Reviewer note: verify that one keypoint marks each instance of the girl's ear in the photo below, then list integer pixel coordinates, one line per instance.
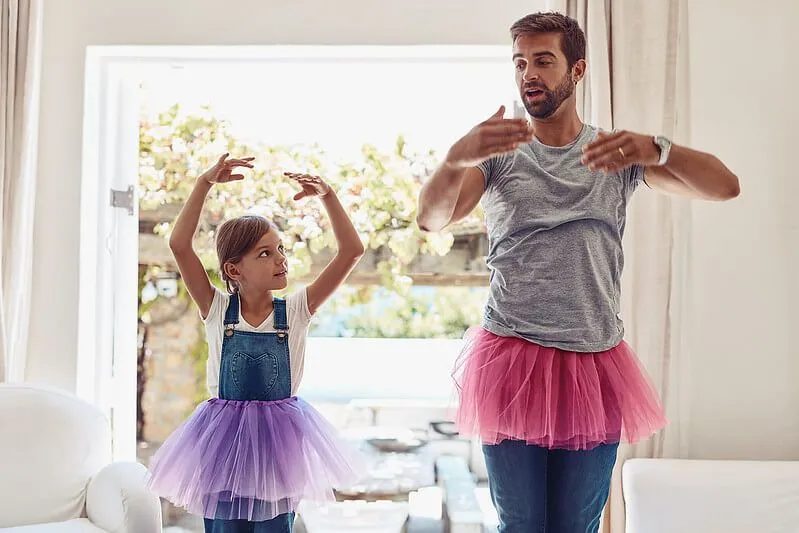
(231, 271)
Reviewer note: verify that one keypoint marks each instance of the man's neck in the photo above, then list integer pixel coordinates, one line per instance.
(558, 130)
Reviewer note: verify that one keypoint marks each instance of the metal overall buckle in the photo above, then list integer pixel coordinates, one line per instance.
(282, 334)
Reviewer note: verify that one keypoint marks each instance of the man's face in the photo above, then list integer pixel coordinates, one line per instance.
(543, 76)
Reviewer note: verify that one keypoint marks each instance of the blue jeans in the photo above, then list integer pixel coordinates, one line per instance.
(280, 524)
(538, 490)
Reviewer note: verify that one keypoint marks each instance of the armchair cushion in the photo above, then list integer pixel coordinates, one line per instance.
(53, 444)
(118, 502)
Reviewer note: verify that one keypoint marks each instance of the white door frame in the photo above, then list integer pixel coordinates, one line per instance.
(107, 332)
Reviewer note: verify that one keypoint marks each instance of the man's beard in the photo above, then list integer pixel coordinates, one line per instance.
(552, 99)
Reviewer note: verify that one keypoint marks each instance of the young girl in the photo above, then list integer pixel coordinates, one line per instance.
(246, 456)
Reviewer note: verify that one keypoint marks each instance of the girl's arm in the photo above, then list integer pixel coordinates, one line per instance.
(350, 247)
(191, 268)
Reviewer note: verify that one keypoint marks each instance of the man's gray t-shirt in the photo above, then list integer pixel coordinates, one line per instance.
(555, 246)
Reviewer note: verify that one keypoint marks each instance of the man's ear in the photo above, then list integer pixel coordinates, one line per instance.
(578, 71)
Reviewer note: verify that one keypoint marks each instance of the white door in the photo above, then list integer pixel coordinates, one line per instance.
(107, 327)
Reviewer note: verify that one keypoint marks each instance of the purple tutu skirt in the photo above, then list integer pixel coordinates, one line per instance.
(252, 460)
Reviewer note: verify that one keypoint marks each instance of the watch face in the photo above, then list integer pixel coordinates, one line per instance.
(665, 146)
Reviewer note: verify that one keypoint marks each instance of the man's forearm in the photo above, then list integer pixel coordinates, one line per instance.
(438, 198)
(702, 172)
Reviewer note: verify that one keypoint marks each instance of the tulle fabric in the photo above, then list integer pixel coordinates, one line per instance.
(252, 460)
(510, 388)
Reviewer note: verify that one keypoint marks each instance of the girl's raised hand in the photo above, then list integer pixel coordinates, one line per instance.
(311, 185)
(222, 171)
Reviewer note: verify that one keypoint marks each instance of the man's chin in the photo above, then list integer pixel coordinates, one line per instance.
(541, 114)
(541, 111)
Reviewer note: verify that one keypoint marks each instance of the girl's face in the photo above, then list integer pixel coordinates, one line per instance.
(263, 268)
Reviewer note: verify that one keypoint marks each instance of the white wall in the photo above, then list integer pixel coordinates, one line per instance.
(746, 367)
(746, 355)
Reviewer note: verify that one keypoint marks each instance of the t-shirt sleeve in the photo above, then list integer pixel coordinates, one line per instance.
(213, 330)
(492, 168)
(297, 304)
(216, 314)
(633, 177)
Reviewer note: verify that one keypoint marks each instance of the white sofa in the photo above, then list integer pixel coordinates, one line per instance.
(55, 470)
(693, 496)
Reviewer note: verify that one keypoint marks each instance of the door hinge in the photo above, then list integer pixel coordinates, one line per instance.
(123, 199)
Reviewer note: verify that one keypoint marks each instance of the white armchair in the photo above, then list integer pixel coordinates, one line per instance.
(55, 469)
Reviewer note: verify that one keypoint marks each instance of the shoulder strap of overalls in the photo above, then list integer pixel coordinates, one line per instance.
(232, 312)
(281, 319)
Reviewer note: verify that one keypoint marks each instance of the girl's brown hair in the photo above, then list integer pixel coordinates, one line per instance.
(235, 238)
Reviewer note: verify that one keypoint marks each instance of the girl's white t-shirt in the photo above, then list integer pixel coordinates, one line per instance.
(299, 317)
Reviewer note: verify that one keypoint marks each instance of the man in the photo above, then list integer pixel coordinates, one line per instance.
(547, 382)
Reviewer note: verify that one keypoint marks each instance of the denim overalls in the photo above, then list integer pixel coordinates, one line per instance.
(254, 366)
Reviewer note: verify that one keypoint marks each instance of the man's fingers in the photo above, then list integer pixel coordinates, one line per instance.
(613, 169)
(502, 136)
(519, 123)
(499, 113)
(596, 150)
(608, 161)
(506, 127)
(604, 140)
(504, 148)
(612, 155)
(500, 147)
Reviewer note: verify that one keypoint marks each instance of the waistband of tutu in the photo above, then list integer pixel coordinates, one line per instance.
(245, 403)
(480, 335)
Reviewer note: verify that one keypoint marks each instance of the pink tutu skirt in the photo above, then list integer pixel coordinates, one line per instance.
(510, 388)
(252, 460)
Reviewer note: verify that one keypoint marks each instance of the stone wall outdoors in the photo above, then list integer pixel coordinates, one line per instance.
(176, 374)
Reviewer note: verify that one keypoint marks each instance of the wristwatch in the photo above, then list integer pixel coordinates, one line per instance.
(664, 145)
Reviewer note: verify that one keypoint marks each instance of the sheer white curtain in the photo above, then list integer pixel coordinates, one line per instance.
(637, 80)
(594, 101)
(20, 63)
